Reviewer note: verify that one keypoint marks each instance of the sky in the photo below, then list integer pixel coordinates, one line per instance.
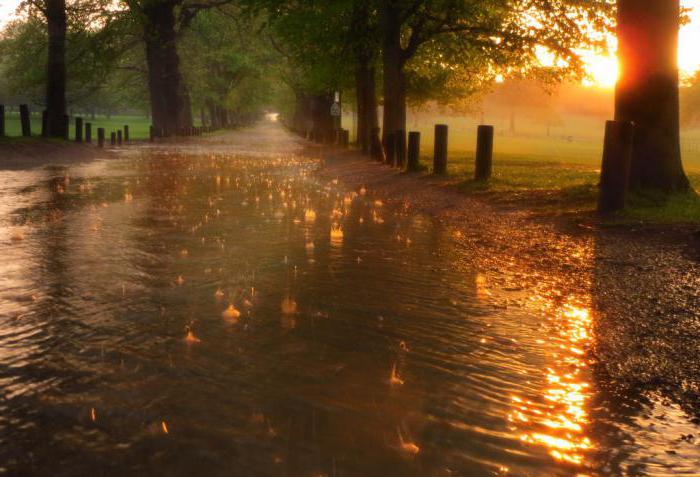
(603, 69)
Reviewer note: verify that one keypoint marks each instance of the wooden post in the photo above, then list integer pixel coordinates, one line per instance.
(2, 120)
(113, 139)
(375, 148)
(440, 150)
(126, 133)
(484, 153)
(151, 133)
(390, 149)
(400, 141)
(66, 127)
(346, 138)
(78, 129)
(24, 120)
(413, 151)
(88, 133)
(615, 171)
(101, 137)
(119, 137)
(44, 123)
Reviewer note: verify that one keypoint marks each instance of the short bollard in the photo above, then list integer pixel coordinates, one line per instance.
(78, 129)
(101, 137)
(2, 120)
(126, 133)
(151, 133)
(375, 145)
(413, 151)
(400, 147)
(440, 150)
(24, 120)
(390, 149)
(88, 133)
(615, 170)
(113, 139)
(119, 137)
(484, 153)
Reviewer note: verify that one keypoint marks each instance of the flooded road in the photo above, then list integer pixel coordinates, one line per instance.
(220, 308)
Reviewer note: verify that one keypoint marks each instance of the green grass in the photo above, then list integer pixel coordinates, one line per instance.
(651, 208)
(559, 187)
(138, 125)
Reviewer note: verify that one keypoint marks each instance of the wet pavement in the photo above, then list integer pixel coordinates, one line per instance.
(223, 307)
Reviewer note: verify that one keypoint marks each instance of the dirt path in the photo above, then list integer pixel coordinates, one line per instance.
(641, 285)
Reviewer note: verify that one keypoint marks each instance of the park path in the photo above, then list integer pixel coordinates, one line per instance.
(252, 302)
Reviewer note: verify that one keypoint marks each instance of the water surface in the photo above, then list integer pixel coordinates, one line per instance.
(221, 309)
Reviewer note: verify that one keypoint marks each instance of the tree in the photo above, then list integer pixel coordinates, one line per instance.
(363, 37)
(54, 12)
(690, 100)
(233, 75)
(312, 37)
(56, 67)
(161, 22)
(481, 38)
(647, 92)
(96, 41)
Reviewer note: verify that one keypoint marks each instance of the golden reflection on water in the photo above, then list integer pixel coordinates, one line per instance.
(560, 424)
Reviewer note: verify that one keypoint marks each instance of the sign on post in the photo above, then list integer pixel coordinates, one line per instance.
(335, 109)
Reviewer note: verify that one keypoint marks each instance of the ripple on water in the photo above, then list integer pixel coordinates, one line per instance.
(379, 349)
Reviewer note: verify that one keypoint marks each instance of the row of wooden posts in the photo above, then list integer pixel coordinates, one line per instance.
(83, 130)
(398, 152)
(404, 153)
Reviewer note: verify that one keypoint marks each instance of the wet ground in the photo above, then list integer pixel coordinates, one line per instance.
(231, 307)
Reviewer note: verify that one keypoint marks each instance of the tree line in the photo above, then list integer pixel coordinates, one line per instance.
(231, 58)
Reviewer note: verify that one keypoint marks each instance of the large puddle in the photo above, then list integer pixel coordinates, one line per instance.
(221, 310)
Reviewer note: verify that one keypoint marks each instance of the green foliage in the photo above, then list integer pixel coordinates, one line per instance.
(456, 49)
(314, 39)
(234, 67)
(100, 43)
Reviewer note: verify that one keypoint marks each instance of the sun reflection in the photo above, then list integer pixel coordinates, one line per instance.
(559, 424)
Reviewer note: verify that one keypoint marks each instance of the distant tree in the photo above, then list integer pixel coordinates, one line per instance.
(234, 73)
(690, 100)
(312, 38)
(647, 91)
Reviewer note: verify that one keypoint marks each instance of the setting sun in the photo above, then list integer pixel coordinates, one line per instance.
(603, 68)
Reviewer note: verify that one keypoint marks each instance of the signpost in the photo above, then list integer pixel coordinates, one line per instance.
(335, 109)
(336, 113)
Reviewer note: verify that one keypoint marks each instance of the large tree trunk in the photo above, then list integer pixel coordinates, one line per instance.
(56, 67)
(169, 99)
(302, 120)
(394, 75)
(647, 91)
(365, 84)
(323, 121)
(366, 93)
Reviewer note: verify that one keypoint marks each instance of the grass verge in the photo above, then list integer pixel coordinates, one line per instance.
(551, 187)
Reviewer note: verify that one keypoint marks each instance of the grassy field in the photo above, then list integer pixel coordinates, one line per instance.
(138, 125)
(555, 170)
